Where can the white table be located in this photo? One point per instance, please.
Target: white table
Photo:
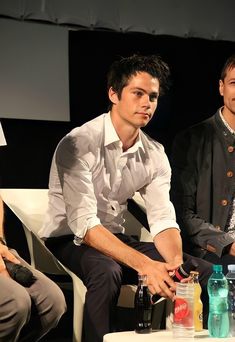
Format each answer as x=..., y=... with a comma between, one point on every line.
x=161, y=335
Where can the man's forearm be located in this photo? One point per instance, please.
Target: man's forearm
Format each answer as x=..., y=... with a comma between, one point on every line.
x=107, y=243
x=169, y=245
x=158, y=278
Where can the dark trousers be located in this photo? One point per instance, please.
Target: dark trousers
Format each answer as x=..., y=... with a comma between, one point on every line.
x=103, y=278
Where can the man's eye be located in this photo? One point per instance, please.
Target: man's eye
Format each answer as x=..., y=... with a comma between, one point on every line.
x=153, y=98
x=138, y=93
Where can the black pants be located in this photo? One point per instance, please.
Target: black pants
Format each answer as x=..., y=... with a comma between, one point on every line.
x=103, y=278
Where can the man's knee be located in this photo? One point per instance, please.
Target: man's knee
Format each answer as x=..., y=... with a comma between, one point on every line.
x=15, y=313
x=59, y=305
x=53, y=305
x=106, y=276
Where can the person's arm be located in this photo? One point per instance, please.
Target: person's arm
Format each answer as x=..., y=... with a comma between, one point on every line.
x=160, y=211
x=231, y=249
x=4, y=252
x=187, y=156
x=169, y=245
x=158, y=278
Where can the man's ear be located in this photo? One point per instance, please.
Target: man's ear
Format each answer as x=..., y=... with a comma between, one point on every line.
x=221, y=87
x=113, y=96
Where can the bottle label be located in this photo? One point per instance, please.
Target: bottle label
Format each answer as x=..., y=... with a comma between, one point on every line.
x=181, y=309
x=183, y=312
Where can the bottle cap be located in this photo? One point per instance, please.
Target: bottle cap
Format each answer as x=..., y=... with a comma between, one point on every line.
x=217, y=268
x=142, y=277
x=231, y=268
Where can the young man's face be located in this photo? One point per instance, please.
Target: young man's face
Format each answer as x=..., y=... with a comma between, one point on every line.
x=227, y=90
x=138, y=100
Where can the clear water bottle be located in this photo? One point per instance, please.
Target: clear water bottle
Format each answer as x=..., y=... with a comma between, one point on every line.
x=143, y=307
x=218, y=320
x=231, y=298
x=183, y=315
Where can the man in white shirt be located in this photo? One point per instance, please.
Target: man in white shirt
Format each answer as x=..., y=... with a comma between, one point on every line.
x=28, y=310
x=96, y=168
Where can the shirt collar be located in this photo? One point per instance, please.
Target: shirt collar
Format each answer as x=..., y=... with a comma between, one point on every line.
x=112, y=137
x=225, y=122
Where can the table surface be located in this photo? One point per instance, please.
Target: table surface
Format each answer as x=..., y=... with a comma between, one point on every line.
x=165, y=335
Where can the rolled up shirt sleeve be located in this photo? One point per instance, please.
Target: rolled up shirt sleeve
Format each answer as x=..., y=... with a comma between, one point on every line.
x=160, y=210
x=74, y=171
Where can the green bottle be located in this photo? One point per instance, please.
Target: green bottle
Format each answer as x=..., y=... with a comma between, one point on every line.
x=218, y=320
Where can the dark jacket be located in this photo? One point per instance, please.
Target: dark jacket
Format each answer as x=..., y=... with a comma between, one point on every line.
x=203, y=185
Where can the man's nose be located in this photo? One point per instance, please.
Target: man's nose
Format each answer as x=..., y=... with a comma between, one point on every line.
x=146, y=100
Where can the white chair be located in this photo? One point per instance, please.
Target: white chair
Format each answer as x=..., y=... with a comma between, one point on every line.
x=29, y=206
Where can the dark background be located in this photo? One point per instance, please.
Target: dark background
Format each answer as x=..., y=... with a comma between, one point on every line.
x=195, y=65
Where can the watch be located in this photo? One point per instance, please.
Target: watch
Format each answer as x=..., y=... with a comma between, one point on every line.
x=2, y=241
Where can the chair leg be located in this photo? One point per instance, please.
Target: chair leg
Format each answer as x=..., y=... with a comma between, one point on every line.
x=79, y=292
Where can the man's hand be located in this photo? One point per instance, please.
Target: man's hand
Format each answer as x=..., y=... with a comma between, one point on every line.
x=232, y=249
x=5, y=253
x=158, y=278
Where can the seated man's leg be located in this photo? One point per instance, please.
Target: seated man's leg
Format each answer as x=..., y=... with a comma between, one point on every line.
x=47, y=305
x=15, y=307
x=102, y=277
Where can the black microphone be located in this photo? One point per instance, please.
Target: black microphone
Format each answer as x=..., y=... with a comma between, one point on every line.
x=20, y=273
x=182, y=272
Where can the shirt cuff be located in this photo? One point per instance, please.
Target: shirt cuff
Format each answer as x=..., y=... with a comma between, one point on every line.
x=161, y=225
x=82, y=225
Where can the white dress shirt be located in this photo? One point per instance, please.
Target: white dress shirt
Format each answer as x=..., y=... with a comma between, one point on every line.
x=91, y=179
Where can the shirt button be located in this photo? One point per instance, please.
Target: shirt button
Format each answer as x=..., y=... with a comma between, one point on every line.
x=230, y=149
x=224, y=202
x=230, y=174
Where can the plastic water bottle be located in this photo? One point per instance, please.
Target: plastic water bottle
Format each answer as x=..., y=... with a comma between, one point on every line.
x=143, y=307
x=231, y=298
x=218, y=320
x=183, y=320
x=198, y=307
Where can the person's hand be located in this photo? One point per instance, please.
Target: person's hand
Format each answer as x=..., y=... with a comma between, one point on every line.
x=158, y=278
x=232, y=249
x=5, y=253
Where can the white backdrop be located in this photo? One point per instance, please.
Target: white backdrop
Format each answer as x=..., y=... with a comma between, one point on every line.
x=34, y=80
